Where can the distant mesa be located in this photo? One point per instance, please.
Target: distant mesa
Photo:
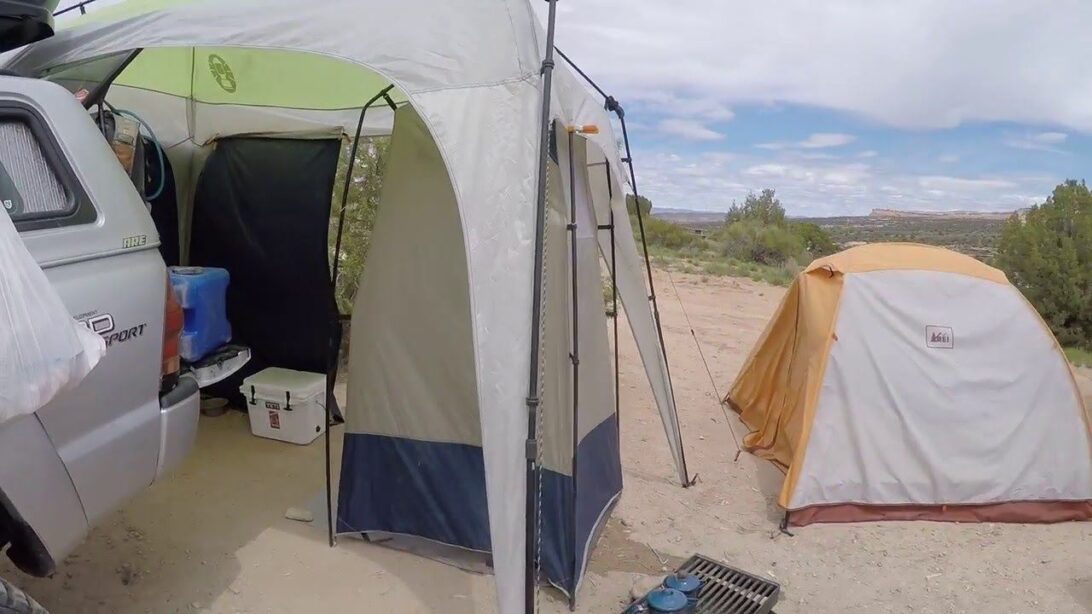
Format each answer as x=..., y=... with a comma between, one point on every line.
x=687, y=217
x=889, y=214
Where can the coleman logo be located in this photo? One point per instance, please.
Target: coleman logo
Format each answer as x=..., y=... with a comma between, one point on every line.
x=939, y=337
x=223, y=74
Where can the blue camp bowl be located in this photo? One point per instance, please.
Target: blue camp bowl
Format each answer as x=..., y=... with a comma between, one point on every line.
x=668, y=601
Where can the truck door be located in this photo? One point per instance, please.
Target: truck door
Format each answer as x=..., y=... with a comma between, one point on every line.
x=83, y=221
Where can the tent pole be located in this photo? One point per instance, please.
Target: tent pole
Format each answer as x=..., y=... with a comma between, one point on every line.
x=574, y=357
x=533, y=386
x=80, y=6
x=383, y=94
x=583, y=74
x=614, y=307
x=613, y=106
x=335, y=340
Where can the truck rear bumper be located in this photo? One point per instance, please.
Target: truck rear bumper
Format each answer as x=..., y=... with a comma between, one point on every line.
x=179, y=411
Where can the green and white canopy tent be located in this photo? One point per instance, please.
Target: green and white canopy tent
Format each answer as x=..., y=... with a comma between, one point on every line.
x=448, y=317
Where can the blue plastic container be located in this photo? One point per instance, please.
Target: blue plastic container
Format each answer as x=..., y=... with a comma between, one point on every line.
x=202, y=292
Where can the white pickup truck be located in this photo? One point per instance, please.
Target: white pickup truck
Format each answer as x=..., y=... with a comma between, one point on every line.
x=133, y=418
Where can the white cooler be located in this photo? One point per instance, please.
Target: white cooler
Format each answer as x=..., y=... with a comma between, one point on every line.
x=286, y=405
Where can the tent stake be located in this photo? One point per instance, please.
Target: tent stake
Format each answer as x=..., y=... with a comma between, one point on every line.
x=335, y=337
x=531, y=518
x=784, y=526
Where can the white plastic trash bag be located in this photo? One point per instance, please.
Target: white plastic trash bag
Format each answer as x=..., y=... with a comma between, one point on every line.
x=42, y=349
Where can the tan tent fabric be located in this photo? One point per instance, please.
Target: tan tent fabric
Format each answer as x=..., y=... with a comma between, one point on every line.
x=869, y=354
x=781, y=378
x=906, y=256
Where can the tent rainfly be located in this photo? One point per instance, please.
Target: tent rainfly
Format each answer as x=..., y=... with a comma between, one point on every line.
x=908, y=382
x=437, y=419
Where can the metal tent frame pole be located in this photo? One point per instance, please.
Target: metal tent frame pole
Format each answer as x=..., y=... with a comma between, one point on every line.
x=335, y=338
x=613, y=106
x=80, y=6
x=574, y=355
x=609, y=226
x=614, y=309
x=534, y=400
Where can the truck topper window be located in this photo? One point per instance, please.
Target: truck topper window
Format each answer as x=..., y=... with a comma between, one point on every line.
x=10, y=198
x=28, y=186
x=38, y=187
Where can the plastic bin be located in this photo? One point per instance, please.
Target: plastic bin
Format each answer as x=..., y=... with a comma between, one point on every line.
x=202, y=292
x=286, y=405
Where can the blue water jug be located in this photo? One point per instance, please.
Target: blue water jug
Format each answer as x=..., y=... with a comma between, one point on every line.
x=202, y=292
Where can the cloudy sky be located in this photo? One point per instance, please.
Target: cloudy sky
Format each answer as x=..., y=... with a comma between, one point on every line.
x=845, y=105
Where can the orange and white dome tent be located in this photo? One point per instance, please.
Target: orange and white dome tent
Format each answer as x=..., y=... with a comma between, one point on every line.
x=908, y=382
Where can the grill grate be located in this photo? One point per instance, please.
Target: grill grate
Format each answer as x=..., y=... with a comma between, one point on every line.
x=726, y=590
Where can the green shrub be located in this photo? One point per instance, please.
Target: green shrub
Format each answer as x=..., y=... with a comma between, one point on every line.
x=750, y=240
x=631, y=205
x=1048, y=256
x=608, y=295
x=816, y=240
x=758, y=231
x=756, y=241
x=778, y=276
x=371, y=160
x=764, y=208
x=664, y=234
x=1079, y=357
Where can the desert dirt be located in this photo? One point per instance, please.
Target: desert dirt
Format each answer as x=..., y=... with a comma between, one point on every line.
x=213, y=537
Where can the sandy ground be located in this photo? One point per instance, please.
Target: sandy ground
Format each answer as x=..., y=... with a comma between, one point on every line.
x=213, y=538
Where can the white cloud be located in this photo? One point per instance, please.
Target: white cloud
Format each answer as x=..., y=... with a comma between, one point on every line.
x=767, y=170
x=826, y=187
x=948, y=158
x=688, y=129
x=666, y=103
x=848, y=174
x=922, y=64
x=815, y=155
x=1050, y=138
x=944, y=183
x=821, y=177
x=1041, y=141
x=870, y=153
x=818, y=140
x=719, y=157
